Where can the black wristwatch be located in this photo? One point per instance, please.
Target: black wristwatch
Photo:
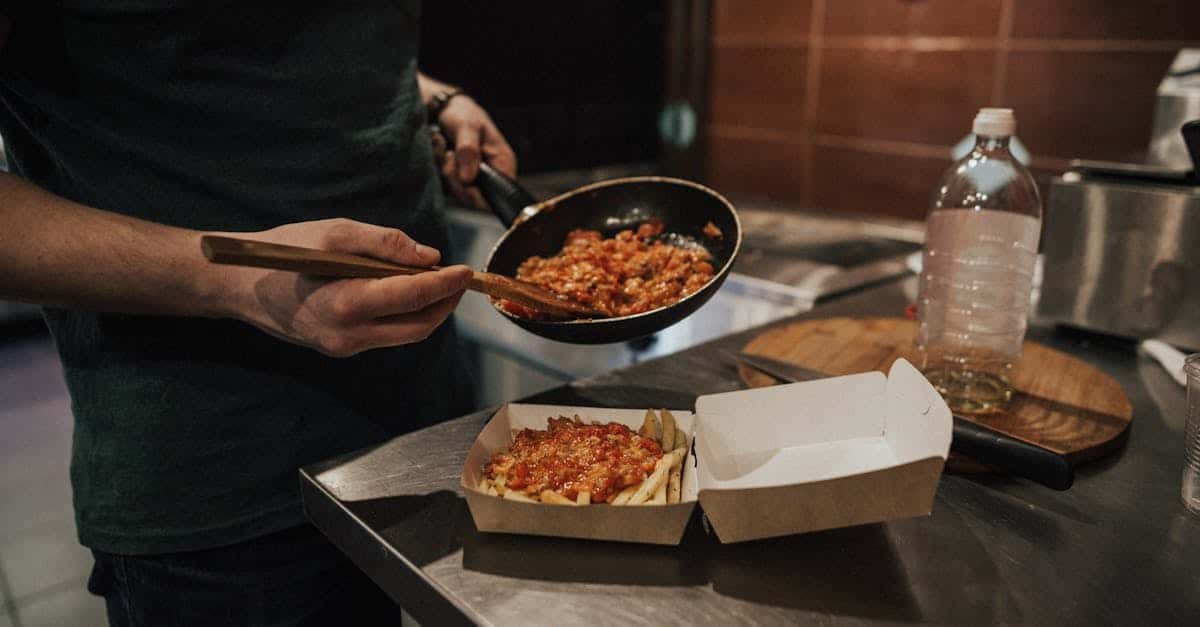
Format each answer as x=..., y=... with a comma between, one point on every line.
x=438, y=103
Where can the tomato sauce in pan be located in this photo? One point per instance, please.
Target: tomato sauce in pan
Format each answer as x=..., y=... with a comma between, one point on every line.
x=570, y=457
x=630, y=273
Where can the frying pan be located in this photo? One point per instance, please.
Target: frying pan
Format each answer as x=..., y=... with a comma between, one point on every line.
x=540, y=228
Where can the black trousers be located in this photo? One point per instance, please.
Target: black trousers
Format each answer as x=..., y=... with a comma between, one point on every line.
x=291, y=578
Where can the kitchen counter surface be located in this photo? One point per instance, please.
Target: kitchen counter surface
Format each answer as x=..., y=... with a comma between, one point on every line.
x=1118, y=548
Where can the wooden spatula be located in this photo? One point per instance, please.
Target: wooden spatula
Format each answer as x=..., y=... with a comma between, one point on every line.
x=243, y=252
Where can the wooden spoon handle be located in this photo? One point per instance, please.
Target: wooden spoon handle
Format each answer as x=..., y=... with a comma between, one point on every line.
x=241, y=252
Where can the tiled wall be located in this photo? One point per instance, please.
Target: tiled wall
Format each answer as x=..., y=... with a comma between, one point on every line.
x=854, y=104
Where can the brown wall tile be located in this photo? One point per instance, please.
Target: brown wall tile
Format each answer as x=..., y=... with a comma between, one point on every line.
x=883, y=184
x=767, y=19
x=979, y=18
x=1095, y=105
x=1096, y=19
x=904, y=95
x=760, y=87
x=1093, y=101
x=771, y=168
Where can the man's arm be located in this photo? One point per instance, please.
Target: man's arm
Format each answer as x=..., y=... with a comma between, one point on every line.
x=60, y=253
x=56, y=252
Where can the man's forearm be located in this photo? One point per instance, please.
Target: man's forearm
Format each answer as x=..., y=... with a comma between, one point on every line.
x=60, y=253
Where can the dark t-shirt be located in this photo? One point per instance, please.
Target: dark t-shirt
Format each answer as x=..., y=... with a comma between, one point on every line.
x=223, y=116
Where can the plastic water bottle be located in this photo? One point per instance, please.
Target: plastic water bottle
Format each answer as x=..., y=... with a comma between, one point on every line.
x=977, y=270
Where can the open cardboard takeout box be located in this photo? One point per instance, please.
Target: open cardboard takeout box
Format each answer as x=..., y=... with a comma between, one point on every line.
x=768, y=462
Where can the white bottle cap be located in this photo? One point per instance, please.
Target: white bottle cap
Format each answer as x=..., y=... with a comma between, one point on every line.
x=994, y=122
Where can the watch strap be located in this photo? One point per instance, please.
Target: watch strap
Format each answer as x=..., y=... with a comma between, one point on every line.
x=439, y=102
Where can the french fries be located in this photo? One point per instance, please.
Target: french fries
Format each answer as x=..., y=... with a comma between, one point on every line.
x=668, y=430
x=624, y=495
x=660, y=487
x=554, y=498
x=673, y=486
x=650, y=427
x=656, y=479
x=660, y=495
x=517, y=495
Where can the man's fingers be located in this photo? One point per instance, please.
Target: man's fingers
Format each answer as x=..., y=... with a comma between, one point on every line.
x=439, y=145
x=475, y=197
x=412, y=327
x=466, y=152
x=468, y=196
x=504, y=162
x=401, y=294
x=449, y=167
x=390, y=331
x=497, y=152
x=450, y=176
x=380, y=242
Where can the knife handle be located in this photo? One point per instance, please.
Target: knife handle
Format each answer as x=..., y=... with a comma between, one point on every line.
x=1012, y=455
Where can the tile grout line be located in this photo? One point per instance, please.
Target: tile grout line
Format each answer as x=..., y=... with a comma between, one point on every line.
x=885, y=146
x=865, y=144
x=952, y=43
x=10, y=601
x=812, y=81
x=861, y=144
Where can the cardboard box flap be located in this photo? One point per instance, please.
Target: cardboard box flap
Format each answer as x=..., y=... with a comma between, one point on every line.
x=764, y=419
x=919, y=424
x=822, y=454
x=773, y=436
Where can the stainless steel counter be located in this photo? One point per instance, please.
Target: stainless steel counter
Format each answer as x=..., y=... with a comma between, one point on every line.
x=1118, y=548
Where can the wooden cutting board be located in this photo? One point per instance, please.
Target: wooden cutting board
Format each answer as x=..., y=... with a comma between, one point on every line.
x=1062, y=404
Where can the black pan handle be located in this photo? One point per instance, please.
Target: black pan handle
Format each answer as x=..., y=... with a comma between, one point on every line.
x=1191, y=139
x=503, y=194
x=1012, y=455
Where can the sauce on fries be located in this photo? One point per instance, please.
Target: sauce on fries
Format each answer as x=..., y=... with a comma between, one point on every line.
x=570, y=457
x=630, y=273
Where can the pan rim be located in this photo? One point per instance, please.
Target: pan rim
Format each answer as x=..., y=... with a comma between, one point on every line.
x=538, y=207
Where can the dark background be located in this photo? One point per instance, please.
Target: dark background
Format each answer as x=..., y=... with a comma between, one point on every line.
x=571, y=84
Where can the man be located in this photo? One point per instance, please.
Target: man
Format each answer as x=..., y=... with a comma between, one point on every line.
x=132, y=127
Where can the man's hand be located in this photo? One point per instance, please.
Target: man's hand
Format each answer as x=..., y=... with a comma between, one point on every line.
x=342, y=317
x=474, y=136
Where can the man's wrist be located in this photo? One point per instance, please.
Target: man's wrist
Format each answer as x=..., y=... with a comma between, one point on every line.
x=219, y=291
x=440, y=101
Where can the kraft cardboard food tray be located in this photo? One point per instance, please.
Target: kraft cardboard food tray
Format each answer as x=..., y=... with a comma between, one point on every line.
x=775, y=461
x=658, y=524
